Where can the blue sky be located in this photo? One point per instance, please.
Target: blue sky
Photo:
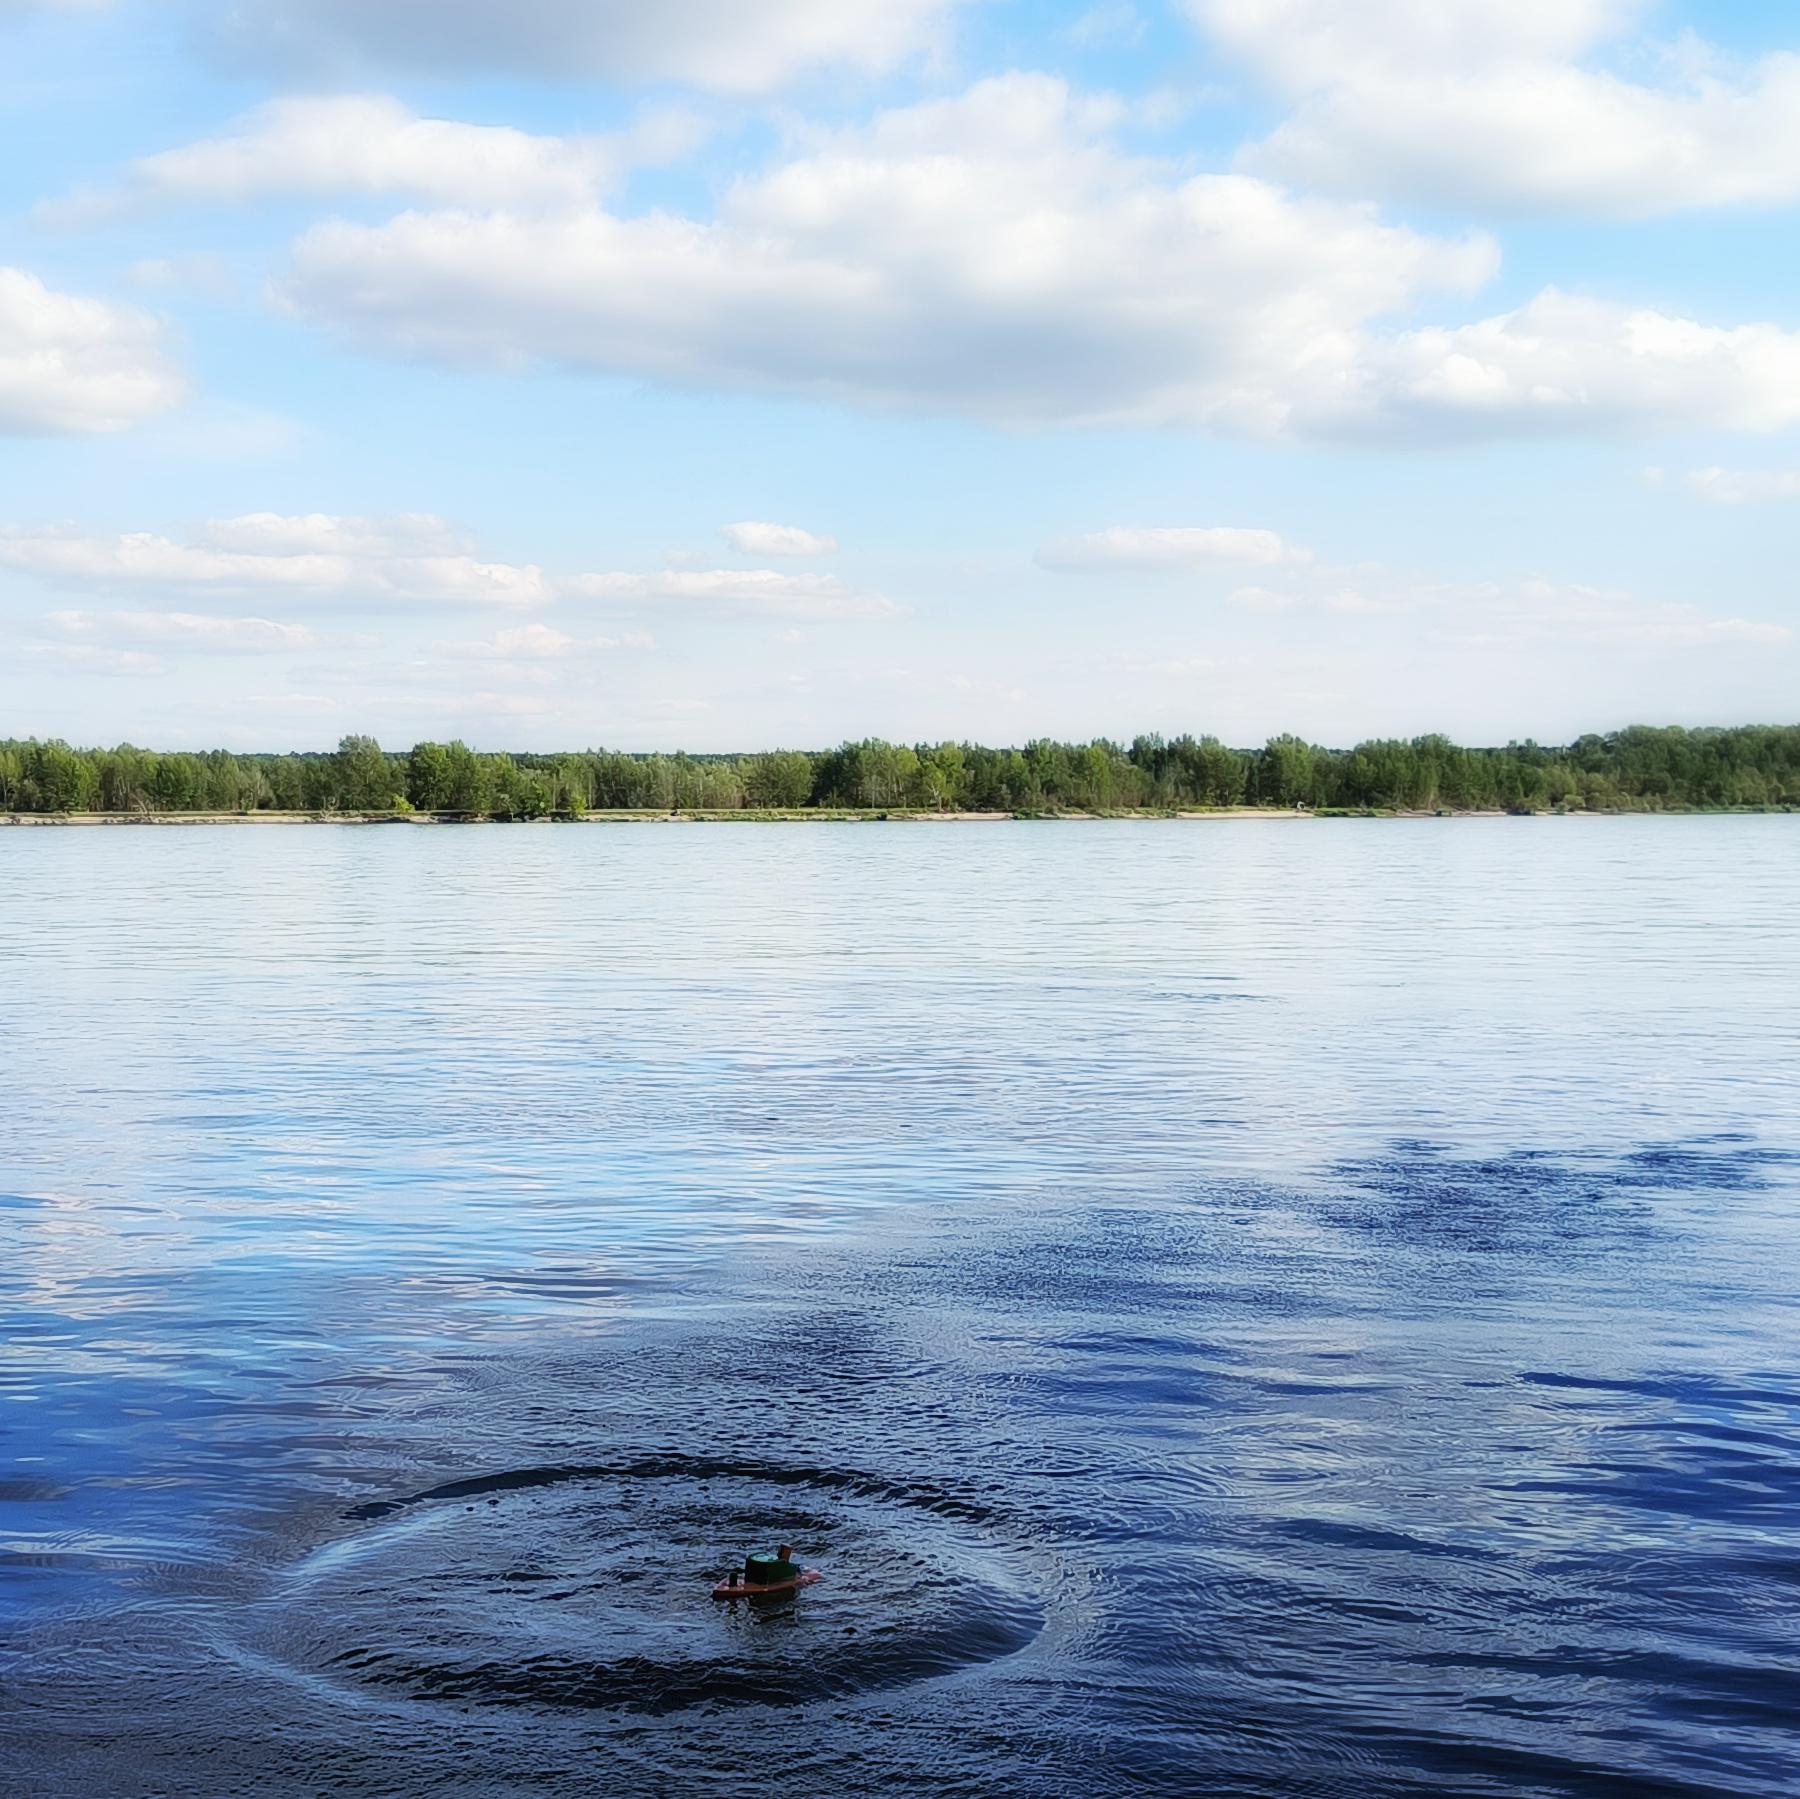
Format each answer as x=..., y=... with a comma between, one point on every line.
x=715, y=377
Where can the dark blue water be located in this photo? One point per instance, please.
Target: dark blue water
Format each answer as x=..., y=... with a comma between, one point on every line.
x=1245, y=1308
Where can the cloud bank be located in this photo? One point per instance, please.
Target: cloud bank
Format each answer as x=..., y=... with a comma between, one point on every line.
x=407, y=560
x=996, y=256
x=369, y=561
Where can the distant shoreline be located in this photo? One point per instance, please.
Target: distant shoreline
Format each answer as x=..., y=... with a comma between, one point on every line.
x=831, y=815
x=1640, y=768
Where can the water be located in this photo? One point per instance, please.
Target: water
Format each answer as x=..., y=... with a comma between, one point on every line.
x=1245, y=1308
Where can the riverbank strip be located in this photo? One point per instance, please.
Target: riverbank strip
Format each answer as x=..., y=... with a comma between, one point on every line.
x=793, y=815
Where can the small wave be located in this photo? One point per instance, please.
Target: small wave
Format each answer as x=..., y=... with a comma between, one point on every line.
x=573, y=1585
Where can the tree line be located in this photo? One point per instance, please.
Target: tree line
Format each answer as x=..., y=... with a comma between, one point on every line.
x=1643, y=768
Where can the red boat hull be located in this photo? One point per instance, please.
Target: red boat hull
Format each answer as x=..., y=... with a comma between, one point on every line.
x=743, y=1590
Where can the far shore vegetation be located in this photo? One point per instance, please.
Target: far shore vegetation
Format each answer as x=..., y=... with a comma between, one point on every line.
x=1642, y=769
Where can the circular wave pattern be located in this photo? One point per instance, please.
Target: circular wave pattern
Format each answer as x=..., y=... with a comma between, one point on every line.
x=588, y=1587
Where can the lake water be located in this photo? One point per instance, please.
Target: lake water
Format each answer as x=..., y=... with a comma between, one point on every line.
x=1250, y=1308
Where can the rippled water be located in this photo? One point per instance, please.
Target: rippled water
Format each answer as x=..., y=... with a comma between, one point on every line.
x=1246, y=1308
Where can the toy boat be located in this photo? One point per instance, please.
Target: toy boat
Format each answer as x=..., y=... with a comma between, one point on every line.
x=766, y=1577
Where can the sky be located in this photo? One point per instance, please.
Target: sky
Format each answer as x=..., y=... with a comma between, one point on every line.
x=564, y=373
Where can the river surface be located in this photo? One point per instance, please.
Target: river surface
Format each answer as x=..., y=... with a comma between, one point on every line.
x=1245, y=1308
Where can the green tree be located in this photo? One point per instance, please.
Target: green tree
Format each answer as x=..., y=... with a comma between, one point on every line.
x=778, y=778
x=428, y=777
x=1287, y=773
x=942, y=777
x=363, y=782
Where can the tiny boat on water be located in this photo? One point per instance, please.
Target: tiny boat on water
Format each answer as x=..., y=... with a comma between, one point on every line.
x=766, y=1577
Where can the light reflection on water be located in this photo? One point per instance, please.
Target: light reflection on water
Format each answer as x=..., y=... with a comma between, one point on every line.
x=1311, y=1303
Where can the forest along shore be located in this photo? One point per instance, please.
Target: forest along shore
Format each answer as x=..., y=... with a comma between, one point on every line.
x=628, y=816
x=795, y=815
x=1641, y=769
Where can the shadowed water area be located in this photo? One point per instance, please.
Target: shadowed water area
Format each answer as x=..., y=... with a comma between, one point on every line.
x=1253, y=1308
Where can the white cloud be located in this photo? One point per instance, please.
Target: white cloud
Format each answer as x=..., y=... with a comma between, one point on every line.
x=1741, y=487
x=369, y=145
x=1128, y=547
x=749, y=538
x=543, y=642
x=763, y=591
x=315, y=555
x=75, y=367
x=990, y=255
x=997, y=256
x=407, y=559
x=724, y=45
x=187, y=630
x=1564, y=365
x=1489, y=103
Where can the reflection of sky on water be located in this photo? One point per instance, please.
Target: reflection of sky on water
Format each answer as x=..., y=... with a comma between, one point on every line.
x=1364, y=1250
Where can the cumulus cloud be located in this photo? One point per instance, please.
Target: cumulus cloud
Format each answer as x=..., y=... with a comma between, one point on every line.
x=996, y=255
x=75, y=367
x=1497, y=104
x=1169, y=547
x=315, y=555
x=750, y=538
x=187, y=630
x=768, y=592
x=350, y=145
x=1741, y=487
x=992, y=254
x=537, y=642
x=1562, y=365
x=723, y=45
